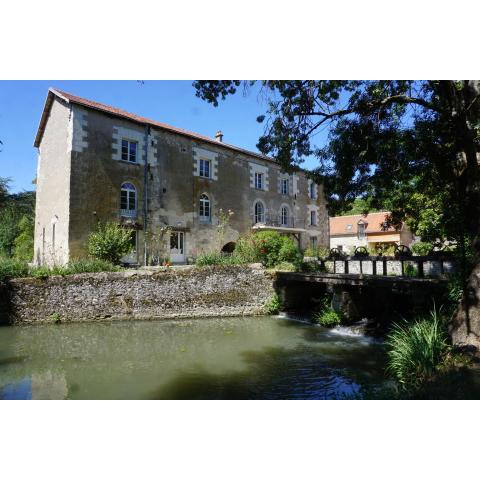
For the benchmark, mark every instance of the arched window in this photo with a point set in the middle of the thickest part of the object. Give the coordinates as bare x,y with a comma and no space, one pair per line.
128,199
204,210
284,217
259,213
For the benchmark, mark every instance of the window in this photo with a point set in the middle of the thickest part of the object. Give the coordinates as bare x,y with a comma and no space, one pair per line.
259,213
312,190
285,186
204,209
259,181
313,242
284,217
204,170
128,199
133,241
313,217
349,227
340,248
361,231
129,151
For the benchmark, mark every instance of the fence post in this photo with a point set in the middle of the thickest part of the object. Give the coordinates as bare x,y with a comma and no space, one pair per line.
402,268
346,266
384,266
374,267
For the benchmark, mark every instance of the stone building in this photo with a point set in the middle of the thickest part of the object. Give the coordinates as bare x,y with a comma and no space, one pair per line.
97,163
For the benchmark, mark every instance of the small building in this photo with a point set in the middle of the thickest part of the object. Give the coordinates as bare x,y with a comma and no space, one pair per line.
370,231
170,187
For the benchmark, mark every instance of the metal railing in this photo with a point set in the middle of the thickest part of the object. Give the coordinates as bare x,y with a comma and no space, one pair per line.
276,220
128,213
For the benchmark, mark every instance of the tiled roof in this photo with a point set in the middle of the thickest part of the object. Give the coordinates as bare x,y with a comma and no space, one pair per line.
68,97
348,224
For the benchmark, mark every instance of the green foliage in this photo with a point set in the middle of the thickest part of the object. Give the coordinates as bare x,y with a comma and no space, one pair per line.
268,247
317,252
109,242
327,318
274,305
9,218
359,206
410,270
11,268
312,267
417,350
23,243
421,248
14,268
285,267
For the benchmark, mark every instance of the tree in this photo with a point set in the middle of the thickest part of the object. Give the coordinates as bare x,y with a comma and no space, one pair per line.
387,140
23,243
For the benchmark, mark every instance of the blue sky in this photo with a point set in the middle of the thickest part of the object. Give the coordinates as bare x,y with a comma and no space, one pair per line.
172,102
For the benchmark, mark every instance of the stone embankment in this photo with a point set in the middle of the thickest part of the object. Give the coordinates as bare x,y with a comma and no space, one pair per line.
137,294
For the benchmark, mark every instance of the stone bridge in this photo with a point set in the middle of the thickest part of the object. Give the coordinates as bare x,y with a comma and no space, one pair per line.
374,287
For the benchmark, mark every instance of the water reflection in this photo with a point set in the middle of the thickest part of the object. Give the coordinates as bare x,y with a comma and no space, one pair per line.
236,358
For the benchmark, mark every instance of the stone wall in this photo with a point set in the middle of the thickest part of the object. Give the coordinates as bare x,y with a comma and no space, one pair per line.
175,293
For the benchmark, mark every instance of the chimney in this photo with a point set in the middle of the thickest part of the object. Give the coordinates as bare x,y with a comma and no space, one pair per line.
219,136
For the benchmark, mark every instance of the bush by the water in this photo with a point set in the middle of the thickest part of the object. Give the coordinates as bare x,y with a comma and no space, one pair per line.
417,350
110,242
274,305
317,252
327,318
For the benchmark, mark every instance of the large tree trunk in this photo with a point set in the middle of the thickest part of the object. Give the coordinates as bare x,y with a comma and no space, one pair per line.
465,324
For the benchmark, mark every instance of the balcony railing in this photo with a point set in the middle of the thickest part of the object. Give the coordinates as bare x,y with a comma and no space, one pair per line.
128,213
275,220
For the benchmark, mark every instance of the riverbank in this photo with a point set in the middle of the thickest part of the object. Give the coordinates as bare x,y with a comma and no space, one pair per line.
188,292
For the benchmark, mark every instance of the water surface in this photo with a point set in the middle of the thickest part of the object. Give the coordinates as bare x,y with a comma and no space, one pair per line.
233,358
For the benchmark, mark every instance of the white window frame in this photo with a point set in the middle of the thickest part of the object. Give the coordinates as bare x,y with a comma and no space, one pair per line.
130,190
204,206
204,165
129,143
313,218
259,180
284,211
285,186
259,216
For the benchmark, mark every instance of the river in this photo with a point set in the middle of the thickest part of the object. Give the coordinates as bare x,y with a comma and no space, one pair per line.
217,358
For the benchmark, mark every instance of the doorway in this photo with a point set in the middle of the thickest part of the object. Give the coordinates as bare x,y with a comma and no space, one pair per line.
177,247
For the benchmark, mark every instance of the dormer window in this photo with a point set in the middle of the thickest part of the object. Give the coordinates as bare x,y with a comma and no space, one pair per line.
349,227
129,151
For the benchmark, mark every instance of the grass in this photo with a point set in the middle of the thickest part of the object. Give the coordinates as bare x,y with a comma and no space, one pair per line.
215,258
416,351
10,268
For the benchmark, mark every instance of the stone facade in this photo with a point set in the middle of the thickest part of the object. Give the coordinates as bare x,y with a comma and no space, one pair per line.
139,294
81,171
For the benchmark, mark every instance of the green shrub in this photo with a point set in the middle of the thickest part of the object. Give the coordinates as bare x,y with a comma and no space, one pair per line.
23,243
317,252
268,247
327,318
110,242
87,265
212,258
417,350
274,305
421,248
11,268
285,267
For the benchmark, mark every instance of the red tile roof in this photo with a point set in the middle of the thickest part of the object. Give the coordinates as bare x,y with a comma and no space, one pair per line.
374,224
68,97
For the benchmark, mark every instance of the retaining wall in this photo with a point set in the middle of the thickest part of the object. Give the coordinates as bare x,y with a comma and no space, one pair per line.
189,292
